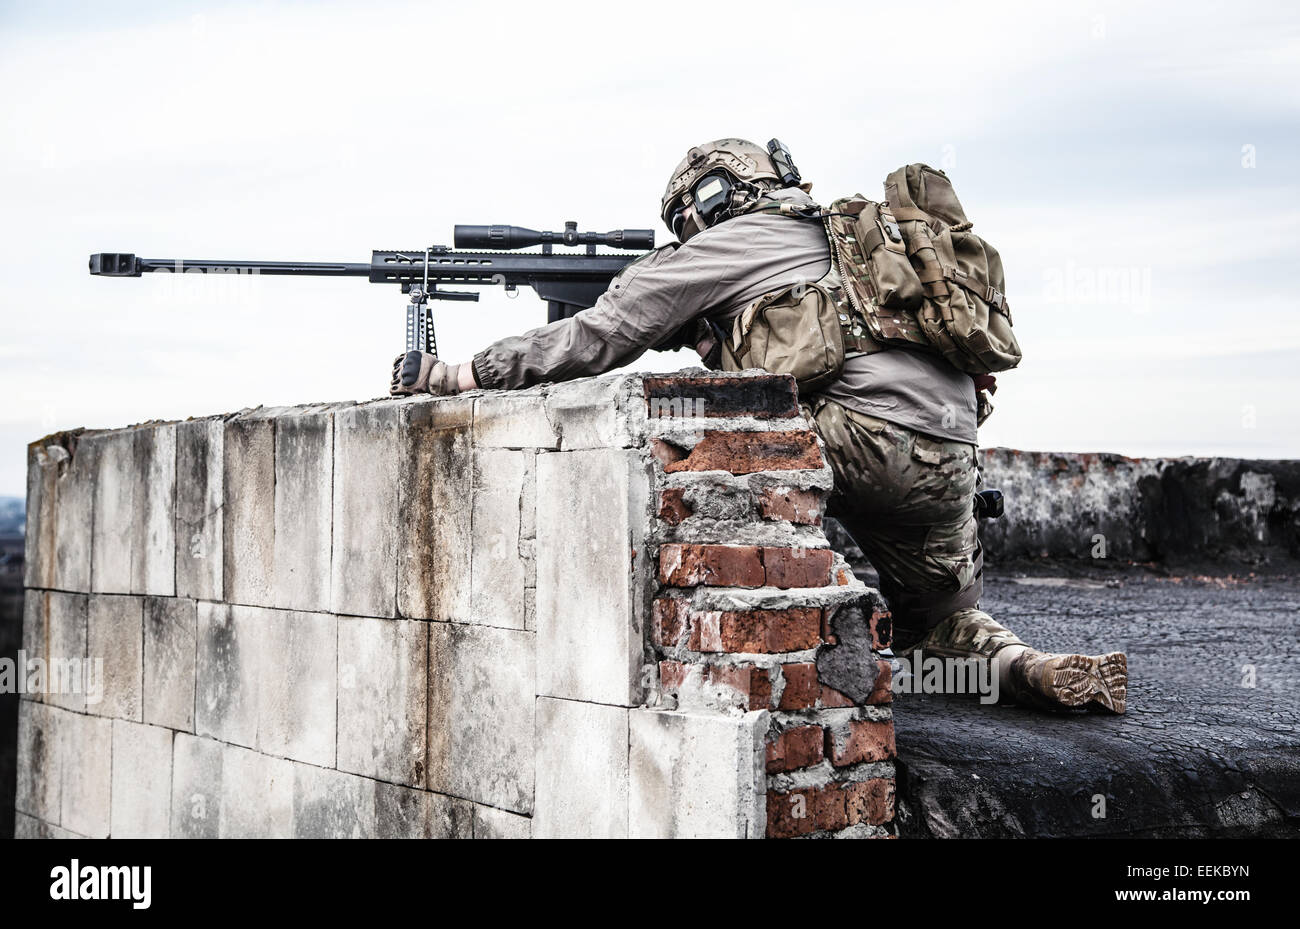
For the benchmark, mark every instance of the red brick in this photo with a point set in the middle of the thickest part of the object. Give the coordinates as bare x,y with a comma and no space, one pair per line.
783,820
671,675
827,636
752,682
831,809
756,631
703,635
794,567
867,740
870,801
667,622
795,748
762,396
843,578
827,809
792,505
747,452
882,629
672,507
712,565
801,686
760,689
882,692
792,630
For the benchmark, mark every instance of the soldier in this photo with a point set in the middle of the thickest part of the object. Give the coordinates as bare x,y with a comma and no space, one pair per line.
899,425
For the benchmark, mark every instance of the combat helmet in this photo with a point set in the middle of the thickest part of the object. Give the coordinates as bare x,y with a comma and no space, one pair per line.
717,179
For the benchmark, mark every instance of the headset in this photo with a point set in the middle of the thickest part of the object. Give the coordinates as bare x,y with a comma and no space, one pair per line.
718,193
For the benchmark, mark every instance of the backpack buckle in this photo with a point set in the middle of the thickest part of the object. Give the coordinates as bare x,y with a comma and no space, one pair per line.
889,227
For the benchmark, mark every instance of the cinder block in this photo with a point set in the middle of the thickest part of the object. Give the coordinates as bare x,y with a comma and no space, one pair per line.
382,690
482,684
696,775
304,467
29,827
169,631
54,637
591,506
248,523
39,536
142,781
296,686
115,512
60,507
200,498
33,645
332,805
87,750
366,521
403,813
581,770
436,481
196,787
513,419
256,796
40,761
498,571
153,539
229,656
491,823
66,659
115,636
594,412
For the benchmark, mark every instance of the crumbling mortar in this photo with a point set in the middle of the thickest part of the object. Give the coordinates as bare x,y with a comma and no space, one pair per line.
825,773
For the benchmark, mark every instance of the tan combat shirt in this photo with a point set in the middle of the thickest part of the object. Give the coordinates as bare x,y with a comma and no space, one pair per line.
717,274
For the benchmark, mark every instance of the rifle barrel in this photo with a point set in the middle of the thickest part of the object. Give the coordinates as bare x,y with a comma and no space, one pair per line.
314,268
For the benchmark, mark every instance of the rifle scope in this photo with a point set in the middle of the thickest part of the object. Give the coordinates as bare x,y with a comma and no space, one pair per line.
506,238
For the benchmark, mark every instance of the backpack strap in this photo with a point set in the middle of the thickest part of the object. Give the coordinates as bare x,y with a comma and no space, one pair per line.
990,294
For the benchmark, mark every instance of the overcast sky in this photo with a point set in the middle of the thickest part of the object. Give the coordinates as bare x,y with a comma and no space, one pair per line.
1135,164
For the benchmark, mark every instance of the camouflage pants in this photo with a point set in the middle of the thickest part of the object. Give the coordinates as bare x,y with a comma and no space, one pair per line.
907,500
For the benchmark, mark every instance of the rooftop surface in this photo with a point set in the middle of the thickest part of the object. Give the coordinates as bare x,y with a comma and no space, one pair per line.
1210,745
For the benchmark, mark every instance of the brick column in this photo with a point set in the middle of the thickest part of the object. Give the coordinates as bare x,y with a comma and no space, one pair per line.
751,602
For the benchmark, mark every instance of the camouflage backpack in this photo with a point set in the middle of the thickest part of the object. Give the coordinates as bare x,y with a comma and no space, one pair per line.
918,276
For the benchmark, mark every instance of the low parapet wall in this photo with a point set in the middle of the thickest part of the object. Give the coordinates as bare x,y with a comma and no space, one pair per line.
1065,506
602,608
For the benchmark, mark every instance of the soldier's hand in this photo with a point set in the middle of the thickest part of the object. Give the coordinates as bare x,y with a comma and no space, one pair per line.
420,372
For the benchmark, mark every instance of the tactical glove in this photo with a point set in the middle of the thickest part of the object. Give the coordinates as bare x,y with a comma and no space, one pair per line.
420,372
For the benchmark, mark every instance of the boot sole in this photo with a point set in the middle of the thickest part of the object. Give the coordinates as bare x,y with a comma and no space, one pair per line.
1097,683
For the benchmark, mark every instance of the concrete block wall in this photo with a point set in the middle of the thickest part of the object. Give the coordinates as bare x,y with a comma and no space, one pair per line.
544,613
1065,506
